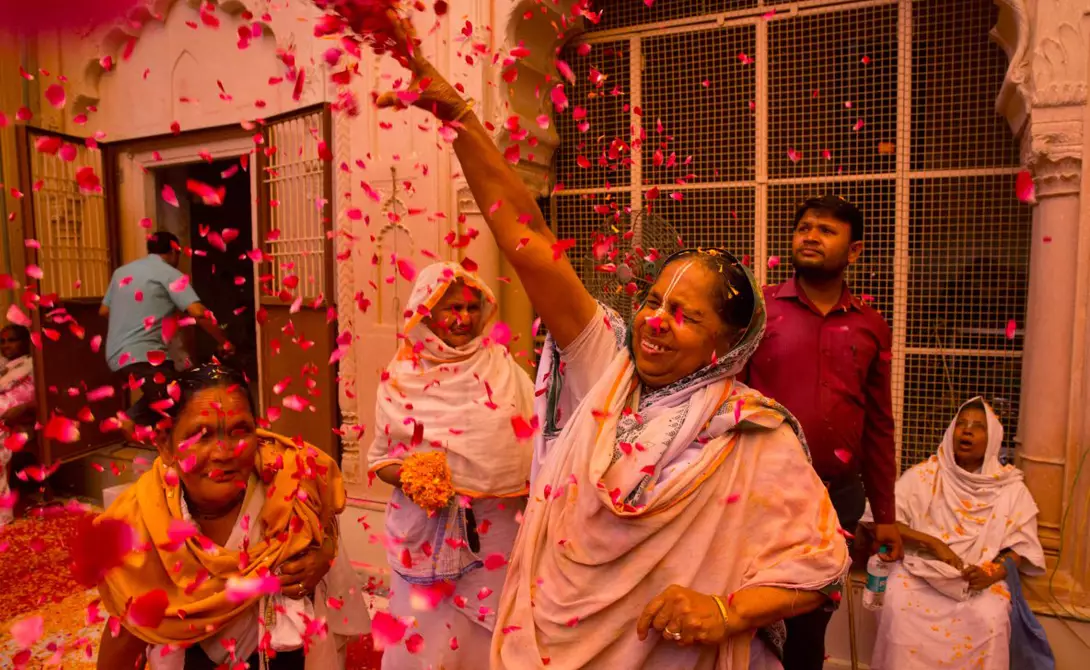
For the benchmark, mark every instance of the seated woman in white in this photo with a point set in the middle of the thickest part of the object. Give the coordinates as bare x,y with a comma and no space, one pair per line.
961,514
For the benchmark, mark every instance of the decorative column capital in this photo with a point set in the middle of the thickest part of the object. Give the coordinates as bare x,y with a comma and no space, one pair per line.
1052,150
1047,54
345,291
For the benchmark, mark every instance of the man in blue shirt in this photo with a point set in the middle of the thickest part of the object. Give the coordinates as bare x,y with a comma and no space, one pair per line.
142,296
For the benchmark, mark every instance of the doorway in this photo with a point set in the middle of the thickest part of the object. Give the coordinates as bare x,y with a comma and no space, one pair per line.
213,220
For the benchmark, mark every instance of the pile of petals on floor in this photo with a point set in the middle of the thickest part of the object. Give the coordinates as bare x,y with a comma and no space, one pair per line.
48,618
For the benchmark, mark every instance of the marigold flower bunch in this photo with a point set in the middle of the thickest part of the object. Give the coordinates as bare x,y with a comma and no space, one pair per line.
425,479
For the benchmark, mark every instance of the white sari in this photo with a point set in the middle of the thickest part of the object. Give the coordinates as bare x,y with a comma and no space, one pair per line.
930,618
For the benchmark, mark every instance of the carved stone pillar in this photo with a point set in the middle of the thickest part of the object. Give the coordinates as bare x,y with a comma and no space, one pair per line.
1053,146
1045,99
351,465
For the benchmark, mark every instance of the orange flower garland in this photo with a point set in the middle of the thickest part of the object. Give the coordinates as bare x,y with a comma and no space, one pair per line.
425,478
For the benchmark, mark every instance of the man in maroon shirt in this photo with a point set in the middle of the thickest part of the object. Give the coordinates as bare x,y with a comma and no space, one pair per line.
826,357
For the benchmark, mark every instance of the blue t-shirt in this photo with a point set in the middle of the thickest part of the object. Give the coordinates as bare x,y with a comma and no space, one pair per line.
161,292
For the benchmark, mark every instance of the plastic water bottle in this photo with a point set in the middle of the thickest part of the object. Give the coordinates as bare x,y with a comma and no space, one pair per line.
877,573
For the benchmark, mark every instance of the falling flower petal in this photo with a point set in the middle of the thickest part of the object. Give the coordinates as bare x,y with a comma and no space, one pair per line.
525,429
242,589
295,403
27,631
500,333
179,284
1024,187
386,630
169,197
17,316
844,455
773,261
148,610
98,546
425,598
494,561
62,429
56,96
406,269
1012,329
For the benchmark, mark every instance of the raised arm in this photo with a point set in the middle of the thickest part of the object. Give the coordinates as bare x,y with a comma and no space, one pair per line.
517,224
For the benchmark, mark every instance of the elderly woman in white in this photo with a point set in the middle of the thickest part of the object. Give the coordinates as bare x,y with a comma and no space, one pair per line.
961,514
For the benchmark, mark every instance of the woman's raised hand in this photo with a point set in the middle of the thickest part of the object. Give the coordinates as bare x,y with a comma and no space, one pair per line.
428,90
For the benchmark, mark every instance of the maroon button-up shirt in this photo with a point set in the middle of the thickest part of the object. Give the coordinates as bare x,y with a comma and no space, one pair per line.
833,372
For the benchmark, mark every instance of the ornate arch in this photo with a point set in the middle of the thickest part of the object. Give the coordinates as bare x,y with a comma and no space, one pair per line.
526,97
1012,33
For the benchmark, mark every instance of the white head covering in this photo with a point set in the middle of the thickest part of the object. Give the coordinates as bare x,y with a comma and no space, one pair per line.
977,514
462,400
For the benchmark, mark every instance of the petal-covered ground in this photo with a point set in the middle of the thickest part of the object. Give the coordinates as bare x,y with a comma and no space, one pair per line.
35,581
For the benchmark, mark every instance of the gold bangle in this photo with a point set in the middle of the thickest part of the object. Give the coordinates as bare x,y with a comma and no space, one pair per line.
465,110
722,609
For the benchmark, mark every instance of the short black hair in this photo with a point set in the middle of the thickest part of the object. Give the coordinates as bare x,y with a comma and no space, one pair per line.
163,242
840,208
189,382
22,333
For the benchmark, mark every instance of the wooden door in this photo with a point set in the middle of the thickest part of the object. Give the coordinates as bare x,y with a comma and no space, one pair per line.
297,327
72,241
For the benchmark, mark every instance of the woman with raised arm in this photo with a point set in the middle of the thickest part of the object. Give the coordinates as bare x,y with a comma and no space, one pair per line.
676,513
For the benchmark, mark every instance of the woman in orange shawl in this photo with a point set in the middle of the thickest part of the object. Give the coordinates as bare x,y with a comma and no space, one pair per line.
235,535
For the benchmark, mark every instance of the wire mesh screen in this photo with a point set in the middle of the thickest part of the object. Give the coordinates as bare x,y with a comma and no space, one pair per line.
296,185
616,14
956,77
832,93
969,277
828,99
593,155
720,217
70,223
686,76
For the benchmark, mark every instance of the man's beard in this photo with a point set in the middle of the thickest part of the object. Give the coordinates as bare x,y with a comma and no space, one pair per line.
820,272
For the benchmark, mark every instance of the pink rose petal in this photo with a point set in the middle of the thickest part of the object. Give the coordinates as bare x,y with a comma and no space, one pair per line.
1024,187
494,561
525,429
27,631
386,630
169,197
56,96
148,610
62,429
242,589
500,333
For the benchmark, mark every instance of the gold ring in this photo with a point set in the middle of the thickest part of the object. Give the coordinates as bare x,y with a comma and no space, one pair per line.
671,634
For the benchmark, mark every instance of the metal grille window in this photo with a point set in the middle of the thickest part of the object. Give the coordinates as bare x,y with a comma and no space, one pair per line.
732,111
70,225
297,205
